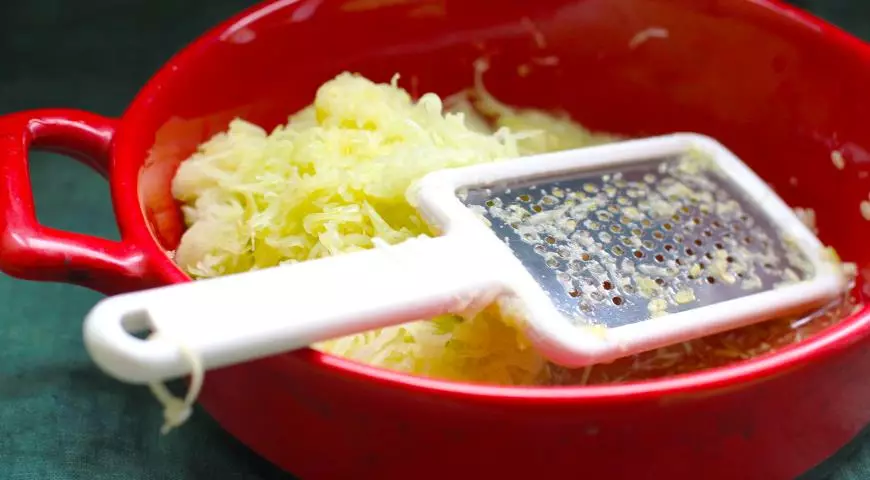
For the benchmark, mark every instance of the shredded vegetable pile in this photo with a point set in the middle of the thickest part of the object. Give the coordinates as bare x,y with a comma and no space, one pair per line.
329,182
333,180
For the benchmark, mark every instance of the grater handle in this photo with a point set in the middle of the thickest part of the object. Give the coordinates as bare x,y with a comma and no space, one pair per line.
242,317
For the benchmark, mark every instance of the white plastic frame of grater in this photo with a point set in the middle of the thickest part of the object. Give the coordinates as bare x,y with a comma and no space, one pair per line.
251,315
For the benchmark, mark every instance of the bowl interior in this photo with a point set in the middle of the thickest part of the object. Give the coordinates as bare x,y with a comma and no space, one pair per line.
781,90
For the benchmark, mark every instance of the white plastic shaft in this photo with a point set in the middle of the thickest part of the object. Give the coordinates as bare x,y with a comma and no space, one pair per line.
256,314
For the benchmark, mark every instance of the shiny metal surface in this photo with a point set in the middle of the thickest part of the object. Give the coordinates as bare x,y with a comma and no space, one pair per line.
615,248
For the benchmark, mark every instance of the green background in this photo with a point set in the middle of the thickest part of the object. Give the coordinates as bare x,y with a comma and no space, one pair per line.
60,418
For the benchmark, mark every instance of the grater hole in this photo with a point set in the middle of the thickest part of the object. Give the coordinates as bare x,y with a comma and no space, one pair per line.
711,280
685,210
658,235
659,281
574,293
586,257
690,252
659,258
720,246
696,221
617,250
616,301
537,208
638,254
636,231
707,233
729,259
607,285
615,228
668,247
550,239
525,198
698,242
490,203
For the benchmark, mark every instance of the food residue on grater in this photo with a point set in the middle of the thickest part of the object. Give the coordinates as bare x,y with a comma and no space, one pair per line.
614,248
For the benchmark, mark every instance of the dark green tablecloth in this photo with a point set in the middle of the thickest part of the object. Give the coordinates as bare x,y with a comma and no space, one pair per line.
60,418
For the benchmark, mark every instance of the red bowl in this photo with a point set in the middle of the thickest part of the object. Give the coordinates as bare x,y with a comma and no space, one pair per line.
780,88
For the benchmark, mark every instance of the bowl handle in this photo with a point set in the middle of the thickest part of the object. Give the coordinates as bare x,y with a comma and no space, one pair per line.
31,251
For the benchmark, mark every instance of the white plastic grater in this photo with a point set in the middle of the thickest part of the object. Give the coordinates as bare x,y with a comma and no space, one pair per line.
602,252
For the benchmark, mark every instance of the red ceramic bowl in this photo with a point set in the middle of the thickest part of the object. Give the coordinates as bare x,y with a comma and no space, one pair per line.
780,88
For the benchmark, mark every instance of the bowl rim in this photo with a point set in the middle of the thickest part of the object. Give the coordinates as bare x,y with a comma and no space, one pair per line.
124,179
